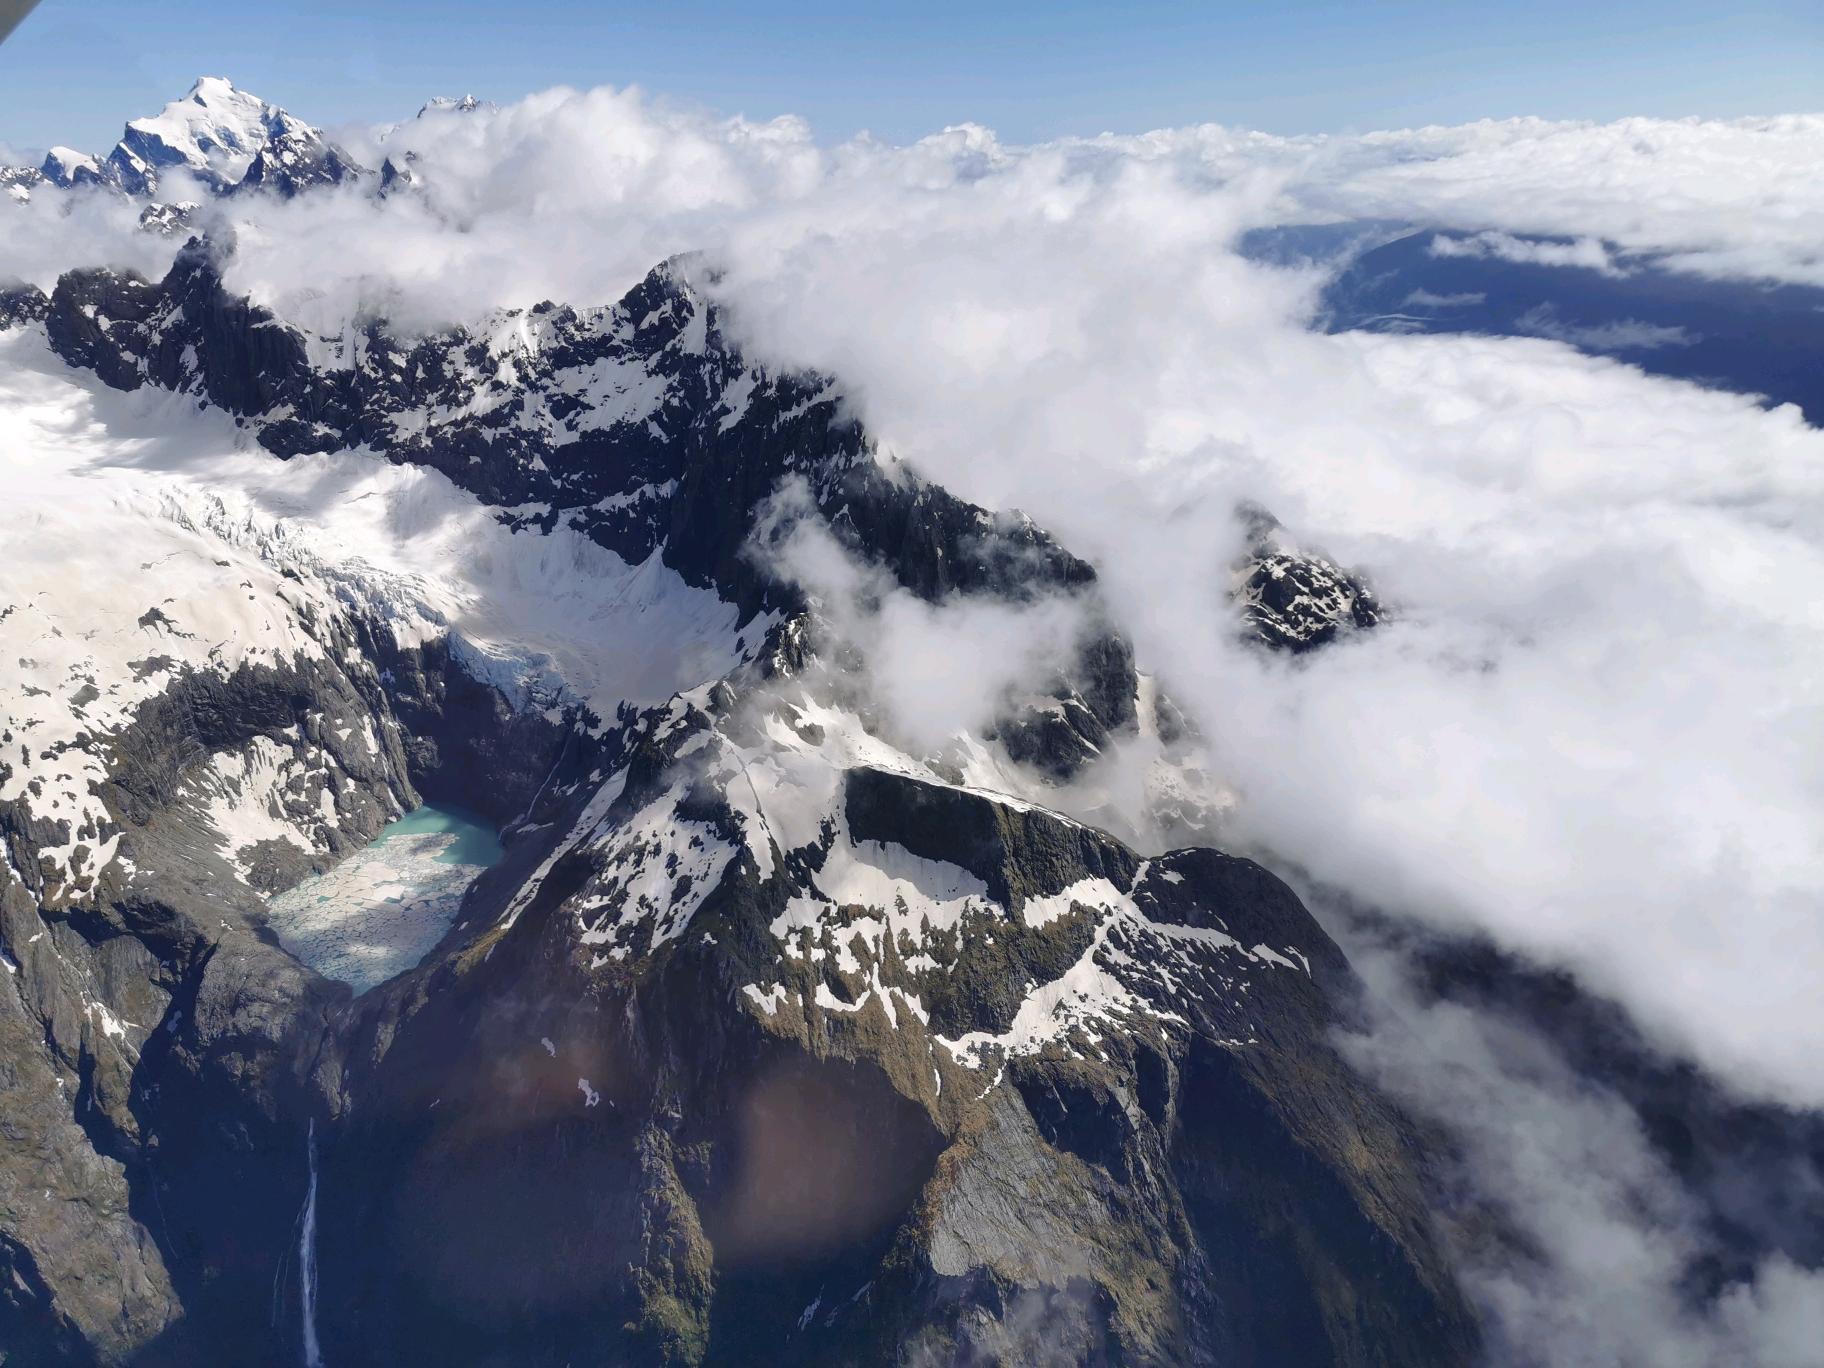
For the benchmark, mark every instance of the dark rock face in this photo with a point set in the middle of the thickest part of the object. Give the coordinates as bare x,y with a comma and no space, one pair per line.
688,477
185,333
1293,600
398,176
766,1042
168,1038
170,1222
21,304
68,171
1015,853
297,158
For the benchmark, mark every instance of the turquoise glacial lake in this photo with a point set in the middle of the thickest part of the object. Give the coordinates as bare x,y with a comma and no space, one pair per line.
384,908
473,841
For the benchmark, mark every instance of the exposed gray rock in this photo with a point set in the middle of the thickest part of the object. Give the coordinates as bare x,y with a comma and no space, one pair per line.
21,304
296,158
1293,600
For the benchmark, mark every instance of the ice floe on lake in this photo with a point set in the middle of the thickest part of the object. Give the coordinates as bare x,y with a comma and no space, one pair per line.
382,910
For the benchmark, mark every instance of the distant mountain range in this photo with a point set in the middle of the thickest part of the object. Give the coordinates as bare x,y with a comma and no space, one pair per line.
222,138
1754,338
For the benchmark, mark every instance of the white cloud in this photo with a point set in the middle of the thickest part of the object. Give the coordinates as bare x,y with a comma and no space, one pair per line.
1731,198
50,233
1584,252
912,650
1427,299
1622,334
1593,730
1601,1249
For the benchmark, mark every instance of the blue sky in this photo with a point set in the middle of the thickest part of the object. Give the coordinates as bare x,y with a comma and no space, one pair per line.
76,69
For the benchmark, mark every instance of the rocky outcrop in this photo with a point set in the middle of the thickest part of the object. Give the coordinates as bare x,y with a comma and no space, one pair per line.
168,220
1294,600
22,304
18,182
296,158
185,333
67,168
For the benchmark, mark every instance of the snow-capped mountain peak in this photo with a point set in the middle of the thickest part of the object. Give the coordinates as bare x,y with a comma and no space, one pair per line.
227,138
444,104
66,166
214,130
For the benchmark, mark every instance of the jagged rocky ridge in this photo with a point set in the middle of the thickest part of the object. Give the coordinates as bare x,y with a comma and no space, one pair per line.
771,1040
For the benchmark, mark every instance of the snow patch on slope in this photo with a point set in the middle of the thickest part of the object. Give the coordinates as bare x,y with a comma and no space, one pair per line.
152,540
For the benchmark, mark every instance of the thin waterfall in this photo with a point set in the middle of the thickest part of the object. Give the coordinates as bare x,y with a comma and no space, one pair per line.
307,1260
562,751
